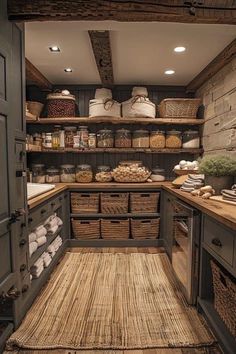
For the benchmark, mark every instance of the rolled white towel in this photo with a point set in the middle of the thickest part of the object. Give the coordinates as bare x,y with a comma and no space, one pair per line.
32,248
41,232
52,230
59,221
37,274
47,262
52,223
32,237
37,264
41,241
50,248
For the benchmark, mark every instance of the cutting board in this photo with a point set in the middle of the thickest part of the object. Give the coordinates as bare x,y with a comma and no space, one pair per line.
219,198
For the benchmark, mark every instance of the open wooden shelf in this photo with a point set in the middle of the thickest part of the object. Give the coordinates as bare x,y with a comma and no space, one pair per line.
119,150
118,120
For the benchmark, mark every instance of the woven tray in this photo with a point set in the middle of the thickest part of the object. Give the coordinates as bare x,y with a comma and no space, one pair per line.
84,203
142,229
179,107
225,297
115,229
85,229
114,203
144,202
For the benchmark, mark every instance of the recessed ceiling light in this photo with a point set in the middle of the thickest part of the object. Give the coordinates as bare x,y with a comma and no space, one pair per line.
54,49
179,49
169,72
68,70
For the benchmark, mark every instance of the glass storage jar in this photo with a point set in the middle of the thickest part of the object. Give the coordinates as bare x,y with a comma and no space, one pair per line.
67,173
84,174
103,174
123,138
191,139
92,141
174,139
38,172
69,136
158,174
105,138
140,139
157,139
52,175
83,137
37,139
48,141
56,137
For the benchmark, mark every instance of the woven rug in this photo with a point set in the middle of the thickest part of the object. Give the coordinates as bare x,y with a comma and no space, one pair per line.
111,301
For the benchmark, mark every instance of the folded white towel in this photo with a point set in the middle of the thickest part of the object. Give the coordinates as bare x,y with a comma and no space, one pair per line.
52,230
37,264
59,221
32,248
51,224
41,241
50,248
41,232
38,273
32,237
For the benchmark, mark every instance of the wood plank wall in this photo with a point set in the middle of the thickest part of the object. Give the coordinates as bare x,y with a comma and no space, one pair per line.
83,94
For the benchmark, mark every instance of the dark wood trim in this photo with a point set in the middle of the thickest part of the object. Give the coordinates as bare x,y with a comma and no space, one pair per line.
34,76
208,11
222,59
100,41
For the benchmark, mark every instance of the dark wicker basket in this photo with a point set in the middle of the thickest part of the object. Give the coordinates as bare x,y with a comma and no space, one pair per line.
224,297
115,229
114,203
144,202
142,229
59,105
85,229
84,203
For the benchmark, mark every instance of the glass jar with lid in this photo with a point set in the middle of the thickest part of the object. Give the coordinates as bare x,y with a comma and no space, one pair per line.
84,174
191,139
140,138
157,139
103,174
158,174
123,138
69,136
83,136
52,175
38,172
67,173
174,139
105,138
37,139
56,137
92,141
48,141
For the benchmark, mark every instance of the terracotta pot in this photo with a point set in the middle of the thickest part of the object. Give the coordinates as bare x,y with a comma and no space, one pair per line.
219,183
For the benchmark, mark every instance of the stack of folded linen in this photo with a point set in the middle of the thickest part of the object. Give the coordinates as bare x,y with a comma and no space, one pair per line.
41,233
37,269
54,246
32,243
46,259
52,224
193,182
229,194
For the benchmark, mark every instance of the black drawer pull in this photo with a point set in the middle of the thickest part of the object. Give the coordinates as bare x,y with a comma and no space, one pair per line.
30,220
22,267
25,288
216,242
22,243
43,211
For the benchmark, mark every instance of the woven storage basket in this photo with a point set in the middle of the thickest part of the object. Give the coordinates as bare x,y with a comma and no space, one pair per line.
144,202
85,229
145,228
59,105
115,229
35,108
224,297
84,203
114,203
179,107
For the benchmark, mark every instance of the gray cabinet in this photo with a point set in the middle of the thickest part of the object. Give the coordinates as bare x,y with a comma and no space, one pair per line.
167,221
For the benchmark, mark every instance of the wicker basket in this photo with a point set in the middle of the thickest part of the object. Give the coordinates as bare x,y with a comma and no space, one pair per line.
84,203
225,297
114,203
34,108
144,202
115,229
142,229
85,229
179,107
60,105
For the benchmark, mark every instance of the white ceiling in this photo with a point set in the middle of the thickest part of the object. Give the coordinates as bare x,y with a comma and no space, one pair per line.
141,52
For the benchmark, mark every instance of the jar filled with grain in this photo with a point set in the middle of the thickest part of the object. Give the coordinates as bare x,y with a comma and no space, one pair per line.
84,174
70,132
157,139
123,138
103,174
67,173
38,173
52,175
140,139
174,139
105,138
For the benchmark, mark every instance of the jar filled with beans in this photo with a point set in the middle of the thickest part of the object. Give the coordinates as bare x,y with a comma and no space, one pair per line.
140,139
105,138
123,138
174,139
157,139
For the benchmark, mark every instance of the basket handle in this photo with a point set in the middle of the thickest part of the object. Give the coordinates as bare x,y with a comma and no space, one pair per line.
144,194
115,221
85,195
85,222
145,221
114,195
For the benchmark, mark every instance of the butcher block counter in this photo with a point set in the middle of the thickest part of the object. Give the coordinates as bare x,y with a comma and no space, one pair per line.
224,213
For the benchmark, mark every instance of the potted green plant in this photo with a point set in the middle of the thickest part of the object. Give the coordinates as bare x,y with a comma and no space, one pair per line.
219,171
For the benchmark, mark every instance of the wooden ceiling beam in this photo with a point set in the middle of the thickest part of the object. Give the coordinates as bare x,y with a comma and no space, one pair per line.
35,77
222,59
205,11
100,41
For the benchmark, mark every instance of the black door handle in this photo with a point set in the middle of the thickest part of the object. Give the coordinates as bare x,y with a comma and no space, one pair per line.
216,242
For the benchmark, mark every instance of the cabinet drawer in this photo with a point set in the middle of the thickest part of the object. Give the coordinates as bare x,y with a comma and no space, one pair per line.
38,216
55,203
219,239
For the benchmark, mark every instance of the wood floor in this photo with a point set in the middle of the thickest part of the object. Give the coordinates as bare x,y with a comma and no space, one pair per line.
127,250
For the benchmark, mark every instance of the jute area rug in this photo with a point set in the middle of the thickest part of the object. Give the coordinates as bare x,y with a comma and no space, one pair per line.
111,301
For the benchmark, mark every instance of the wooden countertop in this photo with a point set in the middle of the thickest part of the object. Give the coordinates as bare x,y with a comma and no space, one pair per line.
224,213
